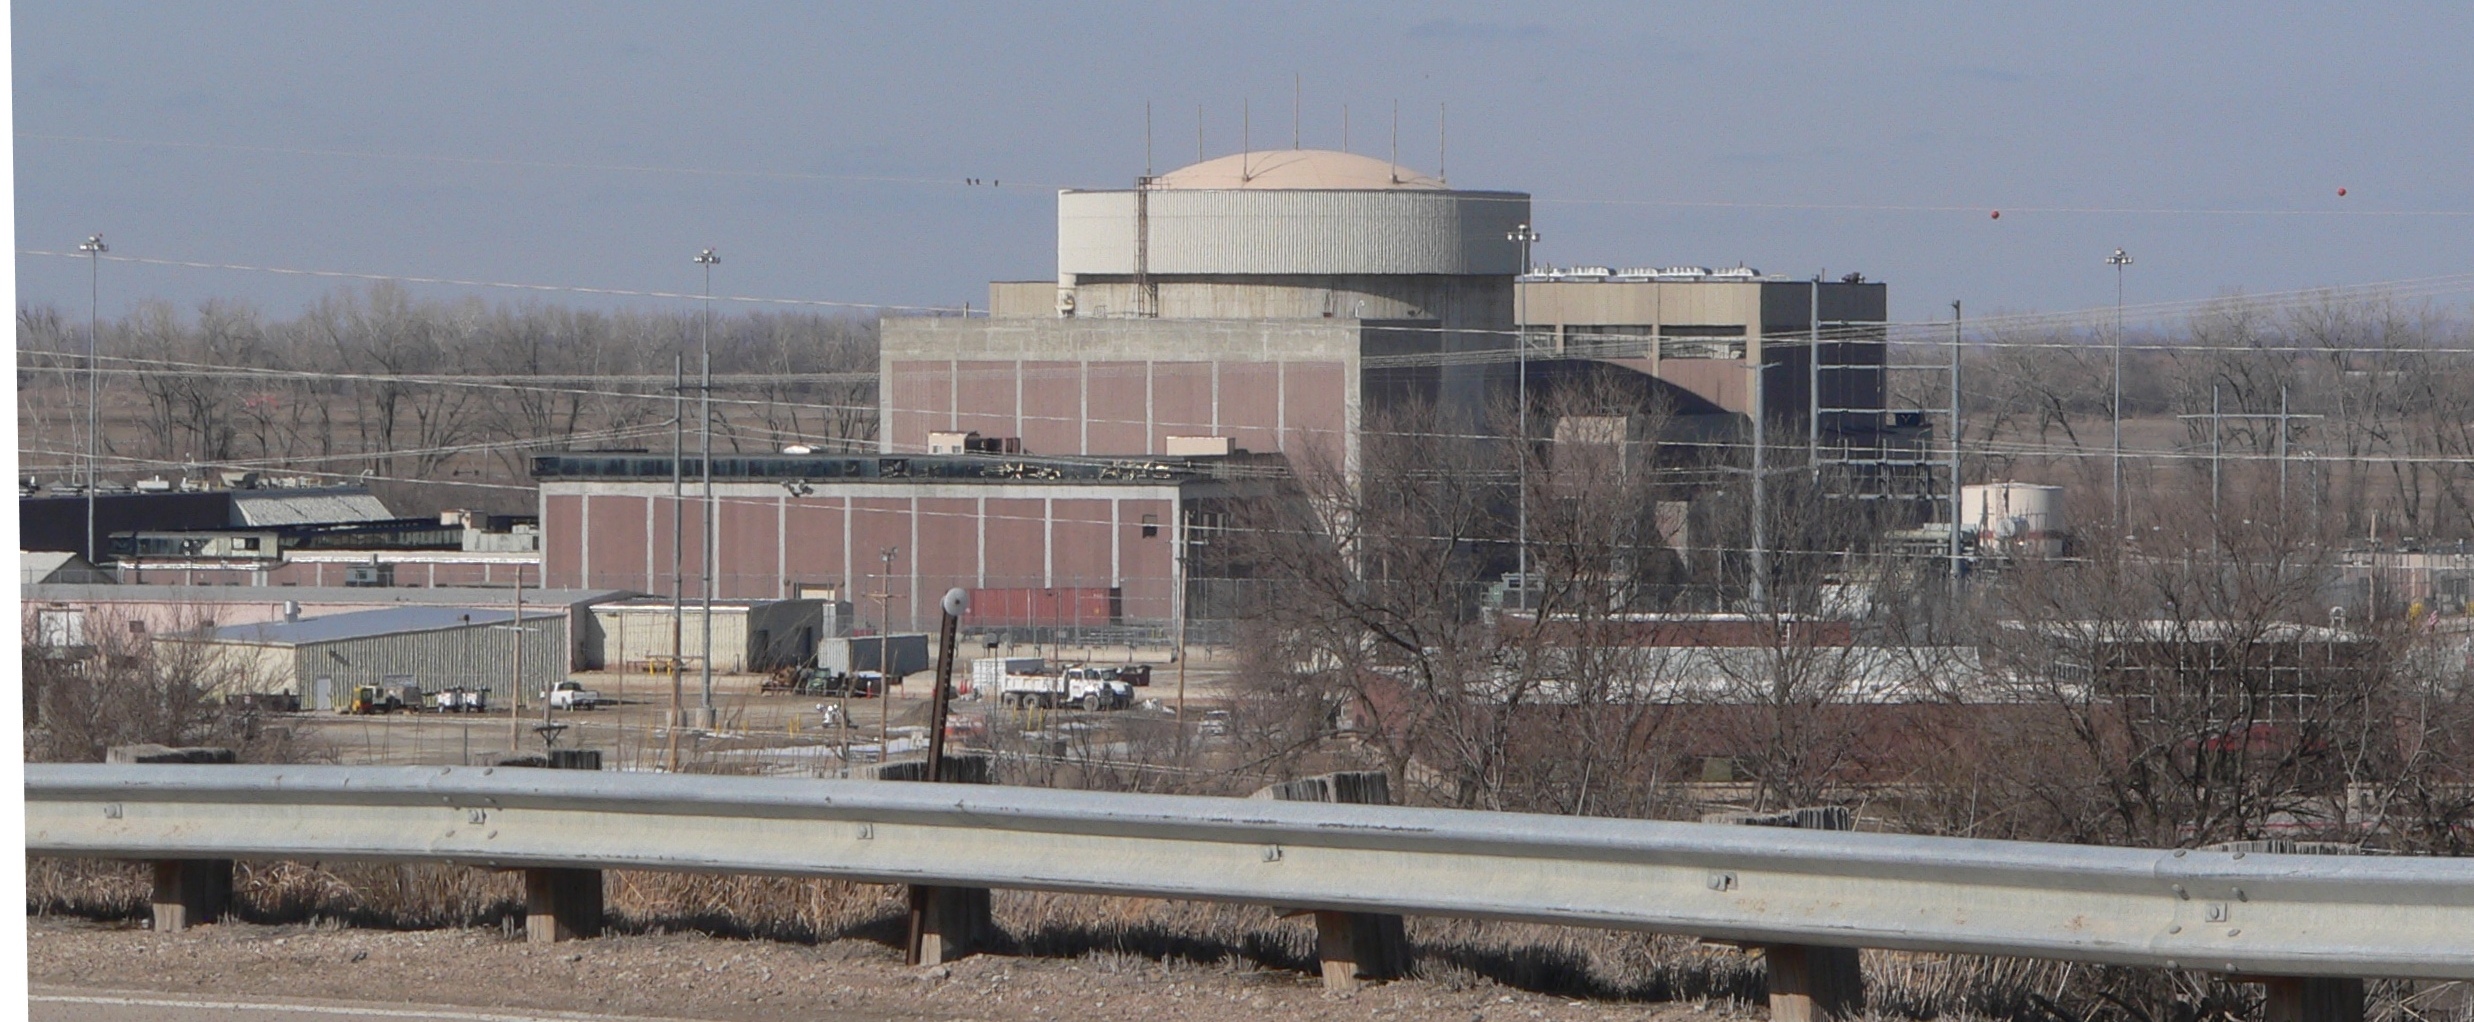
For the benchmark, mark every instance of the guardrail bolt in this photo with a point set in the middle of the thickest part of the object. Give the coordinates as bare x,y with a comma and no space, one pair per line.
2314,999
561,904
191,892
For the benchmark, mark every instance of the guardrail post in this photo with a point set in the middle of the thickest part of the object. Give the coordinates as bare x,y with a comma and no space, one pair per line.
946,922
190,892
2314,999
2304,998
1808,983
561,904
1353,946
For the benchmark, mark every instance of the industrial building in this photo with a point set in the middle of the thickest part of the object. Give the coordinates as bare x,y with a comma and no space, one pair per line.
1698,333
138,613
1266,298
321,659
748,635
802,522
1210,332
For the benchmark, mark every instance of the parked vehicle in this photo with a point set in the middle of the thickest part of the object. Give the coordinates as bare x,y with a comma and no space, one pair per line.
572,695
368,700
988,673
1092,688
819,681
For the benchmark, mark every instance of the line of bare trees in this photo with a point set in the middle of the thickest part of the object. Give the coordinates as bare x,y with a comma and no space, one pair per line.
2206,675
2381,393
377,381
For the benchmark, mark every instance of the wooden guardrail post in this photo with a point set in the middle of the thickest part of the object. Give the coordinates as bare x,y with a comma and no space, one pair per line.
1353,946
946,922
2304,998
187,892
562,903
2314,999
191,892
1808,983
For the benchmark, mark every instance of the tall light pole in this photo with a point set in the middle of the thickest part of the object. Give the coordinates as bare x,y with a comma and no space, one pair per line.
884,665
704,453
94,249
1526,236
2117,260
678,552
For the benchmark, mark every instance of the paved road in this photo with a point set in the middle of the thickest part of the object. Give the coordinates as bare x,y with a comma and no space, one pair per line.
99,1006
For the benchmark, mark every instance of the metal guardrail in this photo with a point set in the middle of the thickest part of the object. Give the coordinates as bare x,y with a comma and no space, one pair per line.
2230,912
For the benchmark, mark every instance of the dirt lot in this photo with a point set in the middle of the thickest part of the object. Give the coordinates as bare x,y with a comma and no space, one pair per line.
702,977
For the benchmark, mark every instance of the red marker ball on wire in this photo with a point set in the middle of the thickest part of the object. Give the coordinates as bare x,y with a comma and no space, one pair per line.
1997,214
2340,193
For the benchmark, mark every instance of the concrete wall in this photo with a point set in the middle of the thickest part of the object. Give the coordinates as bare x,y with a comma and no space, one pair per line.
949,534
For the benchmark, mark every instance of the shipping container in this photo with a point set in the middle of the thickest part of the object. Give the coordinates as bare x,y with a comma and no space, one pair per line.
1061,607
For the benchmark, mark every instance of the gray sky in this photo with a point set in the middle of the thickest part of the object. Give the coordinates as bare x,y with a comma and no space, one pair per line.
830,142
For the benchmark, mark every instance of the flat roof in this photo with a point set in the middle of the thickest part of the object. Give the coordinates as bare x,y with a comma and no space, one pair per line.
458,596
367,624
895,468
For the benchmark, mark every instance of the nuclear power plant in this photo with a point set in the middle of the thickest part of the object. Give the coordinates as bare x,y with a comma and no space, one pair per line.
1206,334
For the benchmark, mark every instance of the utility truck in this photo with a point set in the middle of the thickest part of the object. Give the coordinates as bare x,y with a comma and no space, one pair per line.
1027,682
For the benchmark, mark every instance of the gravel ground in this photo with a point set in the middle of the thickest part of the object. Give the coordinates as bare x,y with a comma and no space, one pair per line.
701,977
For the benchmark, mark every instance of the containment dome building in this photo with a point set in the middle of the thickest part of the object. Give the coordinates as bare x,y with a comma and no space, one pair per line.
1286,234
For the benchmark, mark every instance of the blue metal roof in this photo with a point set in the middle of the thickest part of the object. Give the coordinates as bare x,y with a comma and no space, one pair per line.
367,624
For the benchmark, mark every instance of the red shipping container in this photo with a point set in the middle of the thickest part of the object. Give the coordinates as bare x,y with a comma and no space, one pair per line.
1061,607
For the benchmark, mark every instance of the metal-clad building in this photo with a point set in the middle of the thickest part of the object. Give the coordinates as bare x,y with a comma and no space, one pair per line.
320,659
748,635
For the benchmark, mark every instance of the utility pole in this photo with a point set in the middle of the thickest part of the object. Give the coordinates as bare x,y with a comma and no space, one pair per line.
884,665
2216,450
678,552
94,249
2284,433
1812,386
1526,236
1183,722
1957,427
2118,260
515,674
1760,482
704,407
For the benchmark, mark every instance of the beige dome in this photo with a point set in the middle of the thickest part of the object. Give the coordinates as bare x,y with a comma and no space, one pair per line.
1302,169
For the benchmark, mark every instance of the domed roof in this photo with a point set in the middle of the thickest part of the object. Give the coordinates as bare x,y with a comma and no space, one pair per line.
1296,169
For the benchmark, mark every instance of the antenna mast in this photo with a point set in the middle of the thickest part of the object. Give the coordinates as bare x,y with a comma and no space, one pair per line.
1443,141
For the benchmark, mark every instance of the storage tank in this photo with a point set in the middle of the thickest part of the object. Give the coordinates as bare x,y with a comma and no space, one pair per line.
2024,518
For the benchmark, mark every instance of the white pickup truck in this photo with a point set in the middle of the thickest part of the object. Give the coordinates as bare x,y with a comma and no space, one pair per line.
572,695
1092,688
